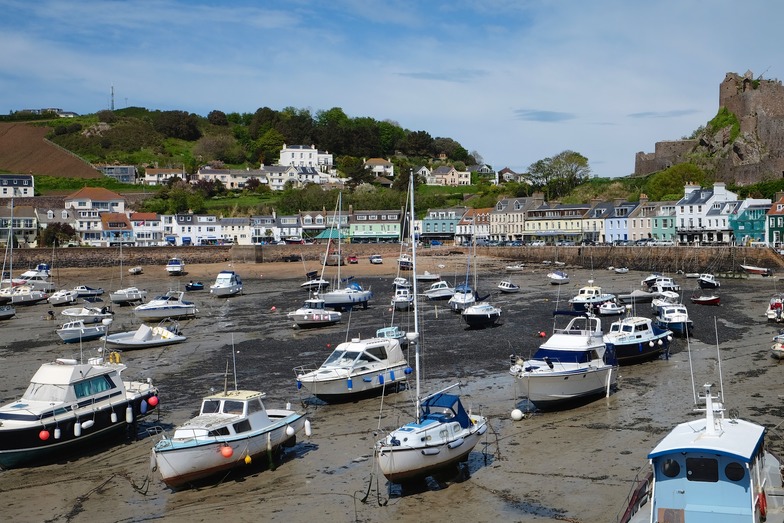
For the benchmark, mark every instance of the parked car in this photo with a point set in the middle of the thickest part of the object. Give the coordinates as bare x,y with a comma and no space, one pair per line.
435,243
376,259
537,243
515,243
353,259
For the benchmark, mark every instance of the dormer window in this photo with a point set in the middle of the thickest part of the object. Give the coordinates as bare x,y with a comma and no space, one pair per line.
50,215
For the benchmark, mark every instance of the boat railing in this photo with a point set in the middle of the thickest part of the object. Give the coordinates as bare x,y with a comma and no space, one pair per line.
155,430
577,332
639,494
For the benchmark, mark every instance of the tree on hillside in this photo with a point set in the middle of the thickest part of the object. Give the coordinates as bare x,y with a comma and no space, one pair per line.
266,149
263,120
56,234
332,130
418,143
218,118
560,174
668,184
177,124
219,147
354,169
390,134
296,125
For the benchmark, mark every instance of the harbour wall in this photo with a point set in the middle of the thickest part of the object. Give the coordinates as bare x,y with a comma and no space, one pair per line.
665,259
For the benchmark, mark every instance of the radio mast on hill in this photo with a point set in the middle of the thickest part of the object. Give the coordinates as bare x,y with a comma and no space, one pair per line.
112,98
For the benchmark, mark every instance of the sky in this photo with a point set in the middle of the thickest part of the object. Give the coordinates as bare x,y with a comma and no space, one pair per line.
515,81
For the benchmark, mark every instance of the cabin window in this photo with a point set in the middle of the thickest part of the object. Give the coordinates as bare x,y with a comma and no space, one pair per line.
377,352
242,426
223,431
210,407
734,471
641,327
232,407
255,406
670,468
702,469
92,386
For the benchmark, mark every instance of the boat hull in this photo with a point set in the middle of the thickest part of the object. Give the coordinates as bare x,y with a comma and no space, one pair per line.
125,296
629,353
339,388
678,327
85,334
225,291
481,320
310,320
165,312
401,464
346,300
713,300
554,390
183,462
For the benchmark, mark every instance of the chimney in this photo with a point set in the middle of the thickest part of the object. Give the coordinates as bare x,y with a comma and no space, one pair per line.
643,198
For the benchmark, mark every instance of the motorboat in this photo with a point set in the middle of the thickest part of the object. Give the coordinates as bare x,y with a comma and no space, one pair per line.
636,296
167,332
71,403
572,366
558,277
83,291
777,349
314,282
481,315
760,271
7,312
708,281
346,298
127,295
393,332
663,299
611,308
401,283
635,339
175,267
133,271
39,279
589,297
711,468
356,368
76,331
194,286
508,287
88,314
314,313
22,295
706,299
775,308
404,262
665,283
439,290
169,305
650,279
402,300
63,297
517,267
442,434
227,283
674,317
232,429
463,298
621,270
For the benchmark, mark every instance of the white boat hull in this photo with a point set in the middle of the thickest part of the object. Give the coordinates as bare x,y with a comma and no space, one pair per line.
181,462
229,290
401,463
339,386
166,312
345,298
76,335
128,295
547,390
314,318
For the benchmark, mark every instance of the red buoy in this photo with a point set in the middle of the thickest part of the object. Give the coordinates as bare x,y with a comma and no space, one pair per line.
44,435
153,401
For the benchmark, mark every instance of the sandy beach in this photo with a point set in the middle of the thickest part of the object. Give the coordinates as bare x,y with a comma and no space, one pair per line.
576,465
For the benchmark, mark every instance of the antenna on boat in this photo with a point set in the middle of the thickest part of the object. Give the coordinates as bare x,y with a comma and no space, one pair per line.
234,361
718,357
226,378
691,367
413,337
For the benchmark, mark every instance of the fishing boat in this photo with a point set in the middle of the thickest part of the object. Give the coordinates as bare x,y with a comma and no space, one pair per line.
127,295
404,262
572,366
706,299
517,267
664,299
760,271
621,270
636,296
356,368
194,286
314,313
63,297
635,339
777,349
227,283
649,280
674,317
314,282
481,315
708,281
7,312
401,283
133,271
427,277
558,277
611,308
22,295
442,433
167,332
508,287
712,468
665,283
84,291
232,429
439,290
39,279
589,297
175,266
169,305
402,300
71,403
76,331
88,314
775,308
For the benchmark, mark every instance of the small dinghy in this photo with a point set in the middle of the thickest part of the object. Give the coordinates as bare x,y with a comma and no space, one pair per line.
194,286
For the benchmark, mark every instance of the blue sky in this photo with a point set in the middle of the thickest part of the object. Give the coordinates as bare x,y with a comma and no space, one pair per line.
514,80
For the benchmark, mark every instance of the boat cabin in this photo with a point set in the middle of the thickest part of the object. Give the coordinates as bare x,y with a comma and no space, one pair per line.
356,354
224,414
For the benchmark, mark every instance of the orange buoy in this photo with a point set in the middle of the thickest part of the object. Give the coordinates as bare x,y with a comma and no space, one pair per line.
153,401
43,435
227,452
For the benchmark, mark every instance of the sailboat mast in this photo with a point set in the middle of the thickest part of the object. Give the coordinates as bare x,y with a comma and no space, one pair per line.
414,338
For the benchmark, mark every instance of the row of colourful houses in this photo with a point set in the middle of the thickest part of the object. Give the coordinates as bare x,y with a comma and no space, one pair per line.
704,215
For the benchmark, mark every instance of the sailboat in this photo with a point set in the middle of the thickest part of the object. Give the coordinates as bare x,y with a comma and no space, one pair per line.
352,294
9,311
442,434
126,295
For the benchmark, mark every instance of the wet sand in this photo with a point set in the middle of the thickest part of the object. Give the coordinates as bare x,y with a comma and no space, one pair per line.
574,465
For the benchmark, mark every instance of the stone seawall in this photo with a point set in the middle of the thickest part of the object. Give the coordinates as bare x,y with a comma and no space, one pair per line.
664,259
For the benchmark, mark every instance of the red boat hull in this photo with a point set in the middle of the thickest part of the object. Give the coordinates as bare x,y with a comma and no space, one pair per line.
710,300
